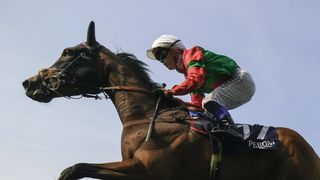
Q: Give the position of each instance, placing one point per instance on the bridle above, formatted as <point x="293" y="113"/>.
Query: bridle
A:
<point x="48" y="88"/>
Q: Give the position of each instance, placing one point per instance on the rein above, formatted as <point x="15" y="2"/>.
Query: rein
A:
<point x="128" y="88"/>
<point x="179" y="101"/>
<point x="48" y="88"/>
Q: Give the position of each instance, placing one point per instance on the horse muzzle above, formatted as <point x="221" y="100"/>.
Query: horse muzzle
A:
<point x="38" y="93"/>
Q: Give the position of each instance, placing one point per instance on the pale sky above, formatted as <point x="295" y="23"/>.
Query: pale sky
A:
<point x="276" y="41"/>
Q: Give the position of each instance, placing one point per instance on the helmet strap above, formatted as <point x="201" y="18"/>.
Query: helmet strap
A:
<point x="174" y="43"/>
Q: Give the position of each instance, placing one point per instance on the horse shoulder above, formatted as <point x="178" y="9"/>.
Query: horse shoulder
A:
<point x="172" y="145"/>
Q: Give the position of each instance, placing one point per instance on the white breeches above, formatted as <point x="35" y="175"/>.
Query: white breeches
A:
<point x="234" y="92"/>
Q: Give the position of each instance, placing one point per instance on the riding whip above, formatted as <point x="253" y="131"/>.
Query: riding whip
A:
<point x="154" y="117"/>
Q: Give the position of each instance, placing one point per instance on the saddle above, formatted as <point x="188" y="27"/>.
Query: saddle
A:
<point x="255" y="136"/>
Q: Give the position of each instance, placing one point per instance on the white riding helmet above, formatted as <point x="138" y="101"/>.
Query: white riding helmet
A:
<point x="165" y="41"/>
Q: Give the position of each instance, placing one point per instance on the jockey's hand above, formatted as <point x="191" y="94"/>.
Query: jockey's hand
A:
<point x="163" y="92"/>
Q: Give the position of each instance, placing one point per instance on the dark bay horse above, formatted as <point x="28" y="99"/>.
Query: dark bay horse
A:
<point x="174" y="151"/>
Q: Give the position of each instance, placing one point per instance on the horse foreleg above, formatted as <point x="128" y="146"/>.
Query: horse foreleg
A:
<point x="129" y="169"/>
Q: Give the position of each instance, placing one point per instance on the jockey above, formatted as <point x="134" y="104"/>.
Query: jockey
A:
<point x="228" y="86"/>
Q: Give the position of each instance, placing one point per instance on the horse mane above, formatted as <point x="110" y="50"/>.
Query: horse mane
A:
<point x="139" y="67"/>
<point x="142" y="72"/>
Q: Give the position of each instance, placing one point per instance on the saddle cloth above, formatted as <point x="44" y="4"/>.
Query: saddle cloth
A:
<point x="255" y="136"/>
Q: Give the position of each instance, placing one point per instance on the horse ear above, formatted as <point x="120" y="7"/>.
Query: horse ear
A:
<point x="91" y="37"/>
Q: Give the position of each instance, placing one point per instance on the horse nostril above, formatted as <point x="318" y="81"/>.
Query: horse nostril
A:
<point x="26" y="84"/>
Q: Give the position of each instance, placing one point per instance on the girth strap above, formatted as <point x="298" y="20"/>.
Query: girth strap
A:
<point x="215" y="164"/>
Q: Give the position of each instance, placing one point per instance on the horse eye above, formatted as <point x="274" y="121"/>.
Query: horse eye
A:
<point x="68" y="52"/>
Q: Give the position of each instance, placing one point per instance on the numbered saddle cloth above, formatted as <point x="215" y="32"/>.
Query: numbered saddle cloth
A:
<point x="255" y="137"/>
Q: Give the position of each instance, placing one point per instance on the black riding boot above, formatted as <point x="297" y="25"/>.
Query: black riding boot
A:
<point x="227" y="126"/>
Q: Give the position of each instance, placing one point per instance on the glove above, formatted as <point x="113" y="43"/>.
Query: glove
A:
<point x="163" y="92"/>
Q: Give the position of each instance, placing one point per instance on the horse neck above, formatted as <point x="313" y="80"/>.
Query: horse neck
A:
<point x="131" y="105"/>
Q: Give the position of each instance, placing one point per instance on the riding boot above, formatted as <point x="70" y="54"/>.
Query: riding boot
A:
<point x="227" y="127"/>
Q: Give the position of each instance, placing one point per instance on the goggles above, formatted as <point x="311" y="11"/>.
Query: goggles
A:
<point x="161" y="53"/>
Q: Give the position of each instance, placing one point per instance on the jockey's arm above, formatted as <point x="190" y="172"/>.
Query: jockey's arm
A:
<point x="193" y="80"/>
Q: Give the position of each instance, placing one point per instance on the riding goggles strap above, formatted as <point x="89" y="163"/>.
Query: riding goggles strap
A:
<point x="161" y="52"/>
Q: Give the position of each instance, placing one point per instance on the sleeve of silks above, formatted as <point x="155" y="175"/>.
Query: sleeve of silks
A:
<point x="193" y="80"/>
<point x="196" y="99"/>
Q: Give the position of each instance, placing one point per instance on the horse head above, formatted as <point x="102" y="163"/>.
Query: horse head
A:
<point x="76" y="72"/>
